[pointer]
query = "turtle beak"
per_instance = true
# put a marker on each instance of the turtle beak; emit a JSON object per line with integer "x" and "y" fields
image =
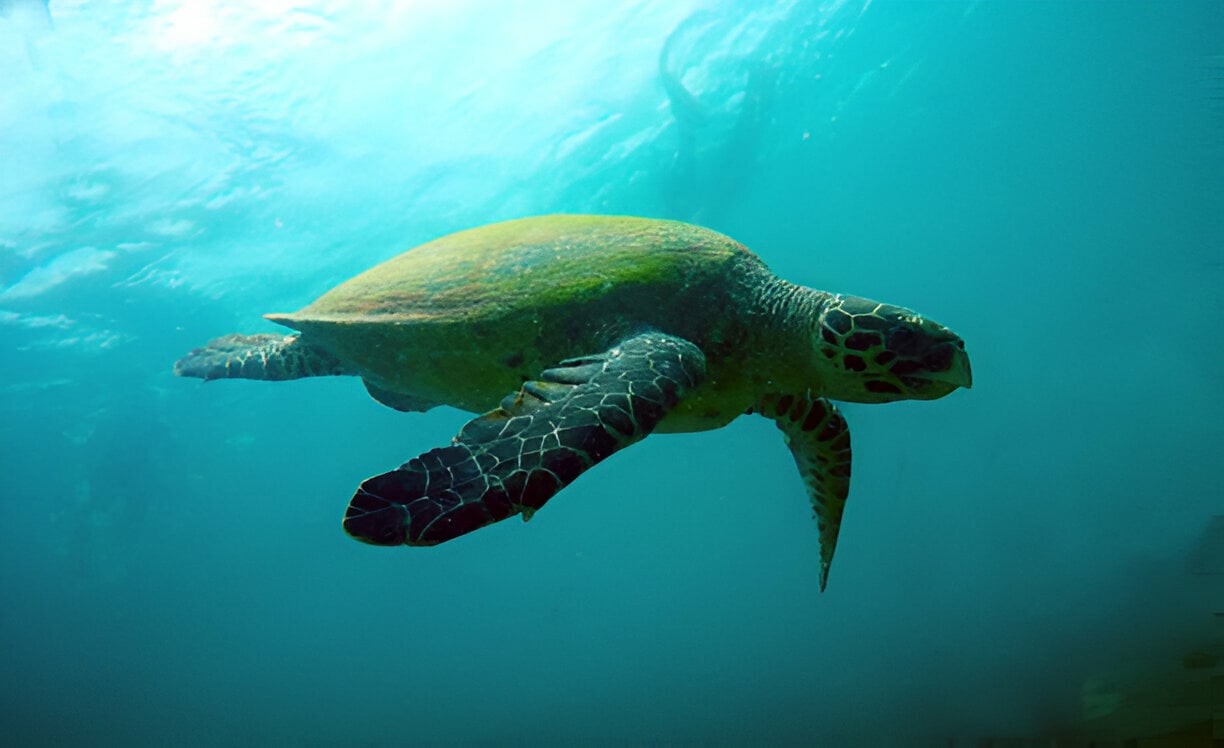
{"x": 960, "y": 374}
{"x": 948, "y": 368}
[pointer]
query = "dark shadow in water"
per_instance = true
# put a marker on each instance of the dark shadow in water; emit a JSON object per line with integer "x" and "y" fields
{"x": 1164, "y": 686}
{"x": 717, "y": 146}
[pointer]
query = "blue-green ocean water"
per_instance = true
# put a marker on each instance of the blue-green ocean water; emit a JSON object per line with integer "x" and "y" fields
{"x": 1016, "y": 559}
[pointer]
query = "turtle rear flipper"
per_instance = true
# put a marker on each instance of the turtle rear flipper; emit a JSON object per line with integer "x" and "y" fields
{"x": 819, "y": 440}
{"x": 513, "y": 459}
{"x": 272, "y": 357}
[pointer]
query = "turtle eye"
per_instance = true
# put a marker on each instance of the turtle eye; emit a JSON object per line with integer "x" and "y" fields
{"x": 938, "y": 358}
{"x": 904, "y": 341}
{"x": 905, "y": 367}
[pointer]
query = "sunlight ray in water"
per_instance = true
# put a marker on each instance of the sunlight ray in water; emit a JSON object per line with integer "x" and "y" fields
{"x": 1029, "y": 562}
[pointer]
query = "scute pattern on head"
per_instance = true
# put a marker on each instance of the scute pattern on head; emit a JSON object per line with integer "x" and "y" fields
{"x": 886, "y": 352}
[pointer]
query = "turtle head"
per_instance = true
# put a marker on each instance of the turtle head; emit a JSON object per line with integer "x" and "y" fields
{"x": 874, "y": 353}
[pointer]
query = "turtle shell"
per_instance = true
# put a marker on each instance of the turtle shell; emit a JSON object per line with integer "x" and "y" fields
{"x": 542, "y": 262}
{"x": 464, "y": 317}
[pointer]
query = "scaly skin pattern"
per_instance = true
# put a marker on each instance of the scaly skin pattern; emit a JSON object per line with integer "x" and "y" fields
{"x": 270, "y": 357}
{"x": 515, "y": 458}
{"x": 819, "y": 440}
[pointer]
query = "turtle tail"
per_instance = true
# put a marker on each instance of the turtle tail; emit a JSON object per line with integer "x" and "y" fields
{"x": 271, "y": 357}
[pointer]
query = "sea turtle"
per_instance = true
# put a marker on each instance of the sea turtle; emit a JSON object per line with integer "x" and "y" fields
{"x": 602, "y": 329}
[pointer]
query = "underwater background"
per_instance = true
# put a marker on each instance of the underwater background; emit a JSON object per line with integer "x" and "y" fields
{"x": 1042, "y": 555}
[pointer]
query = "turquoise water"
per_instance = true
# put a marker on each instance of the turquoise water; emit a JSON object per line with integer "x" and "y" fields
{"x": 1043, "y": 178}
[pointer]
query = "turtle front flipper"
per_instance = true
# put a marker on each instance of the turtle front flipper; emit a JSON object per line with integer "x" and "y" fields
{"x": 517, "y": 457}
{"x": 265, "y": 356}
{"x": 819, "y": 440}
{"x": 399, "y": 401}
